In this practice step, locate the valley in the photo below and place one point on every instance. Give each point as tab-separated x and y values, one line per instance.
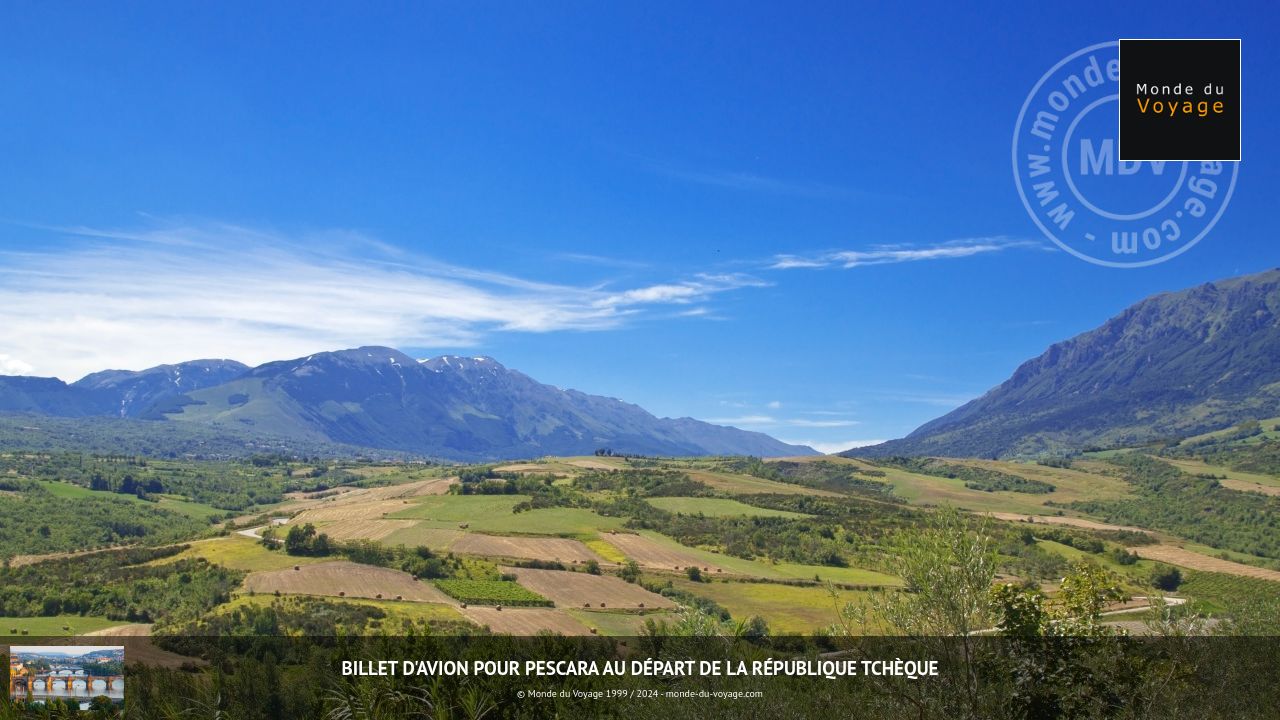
364	494
593	545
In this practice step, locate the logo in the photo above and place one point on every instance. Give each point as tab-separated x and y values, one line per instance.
1104	210
1180	100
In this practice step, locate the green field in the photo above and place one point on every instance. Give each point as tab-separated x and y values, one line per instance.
716	507
427	612
493	514
1220	592
789	610
782	570
1136	574
1069	485
1196	467
824	573
52	626
425	534
164	502
191	509
1239	557
1268	432
492	592
791	597
618	624
395	609
238	552
734	483
605	550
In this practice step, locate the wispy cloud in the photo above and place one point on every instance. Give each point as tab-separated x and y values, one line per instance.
942	399
697	289
892	254
744	420
132	299
698	312
801	422
753	182
601	260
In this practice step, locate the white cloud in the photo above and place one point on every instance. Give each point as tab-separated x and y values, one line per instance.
791	262
136	299
774	405
892	254
13	366
604	261
827	448
682	293
698	312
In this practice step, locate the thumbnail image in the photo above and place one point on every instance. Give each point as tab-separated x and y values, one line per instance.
85	675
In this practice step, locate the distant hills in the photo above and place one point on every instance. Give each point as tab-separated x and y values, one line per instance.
144	394
1172	365
119	393
470	409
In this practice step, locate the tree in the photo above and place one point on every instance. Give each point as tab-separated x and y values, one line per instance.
1166	577
754	627
948	566
630	571
101	707
1062	659
297	539
1253	615
1083	597
1021	611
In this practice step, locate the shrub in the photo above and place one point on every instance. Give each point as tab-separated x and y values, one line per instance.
1166	577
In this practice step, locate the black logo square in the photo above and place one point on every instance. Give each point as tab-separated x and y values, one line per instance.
1179	100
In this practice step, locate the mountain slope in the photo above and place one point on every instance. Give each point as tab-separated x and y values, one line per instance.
140	393
1174	364
451	407
51	396
123	393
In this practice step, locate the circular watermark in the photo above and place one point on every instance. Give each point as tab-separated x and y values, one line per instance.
1067	166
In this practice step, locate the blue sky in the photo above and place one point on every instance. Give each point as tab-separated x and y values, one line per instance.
610	197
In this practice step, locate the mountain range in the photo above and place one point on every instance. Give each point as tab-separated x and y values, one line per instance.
456	408
1172	365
